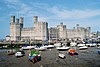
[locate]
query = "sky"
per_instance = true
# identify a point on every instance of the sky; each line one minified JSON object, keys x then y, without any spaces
{"x":86,"y":13}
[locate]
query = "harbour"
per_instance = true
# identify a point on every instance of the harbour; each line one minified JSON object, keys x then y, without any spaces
{"x":49,"y":58}
{"x":58,"y":33}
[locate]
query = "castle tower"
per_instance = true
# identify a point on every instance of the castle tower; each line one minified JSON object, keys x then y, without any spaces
{"x":12,"y":28}
{"x":62,"y":31}
{"x":77,"y":25}
{"x":17,"y":21}
{"x":21,"y":22}
{"x":35,"y":18}
{"x":88,"y":31}
{"x":17,"y":30}
{"x":35,"y":21}
{"x":12,"y":19}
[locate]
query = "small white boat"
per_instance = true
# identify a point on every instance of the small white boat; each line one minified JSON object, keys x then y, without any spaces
{"x":98,"y":44}
{"x":19,"y":53}
{"x":48,"y":46}
{"x":63,"y":48}
{"x":91,"y":45}
{"x":83,"y":47}
{"x":61,"y":55}
{"x":80,"y":45}
{"x":40,"y":48}
{"x":28,"y":47}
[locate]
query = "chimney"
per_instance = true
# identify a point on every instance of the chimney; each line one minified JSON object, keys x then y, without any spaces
{"x":35,"y":18}
{"x":12,"y":19}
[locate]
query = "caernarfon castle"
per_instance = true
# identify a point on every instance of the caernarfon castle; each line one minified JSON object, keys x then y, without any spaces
{"x":40,"y":31}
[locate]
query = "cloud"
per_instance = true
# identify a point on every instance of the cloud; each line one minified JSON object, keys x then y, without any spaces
{"x":74,"y":14}
{"x":12,"y":1}
{"x":50,"y":13}
{"x":11,"y":6}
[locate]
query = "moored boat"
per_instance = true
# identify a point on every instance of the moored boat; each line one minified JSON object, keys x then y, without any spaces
{"x":40,"y":48}
{"x":63,"y":48}
{"x":11,"y":51}
{"x":83,"y":47}
{"x":72,"y":52}
{"x":34,"y":56}
{"x":98,"y":51}
{"x":48,"y":46}
{"x":19,"y":53}
{"x":61,"y":55}
{"x":28,"y":47}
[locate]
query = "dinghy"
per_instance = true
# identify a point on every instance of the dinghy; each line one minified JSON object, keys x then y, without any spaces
{"x":98,"y":51}
{"x":83,"y":47}
{"x":11,"y":51}
{"x":34,"y":56}
{"x":19,"y":53}
{"x":61,"y":55}
{"x":72,"y":52}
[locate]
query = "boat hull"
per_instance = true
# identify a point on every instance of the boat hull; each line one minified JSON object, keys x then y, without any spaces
{"x":63,"y":48}
{"x":82,"y":48}
{"x":34,"y":58}
{"x":98,"y":51}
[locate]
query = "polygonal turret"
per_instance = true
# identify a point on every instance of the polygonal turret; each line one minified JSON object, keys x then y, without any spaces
{"x":21,"y":20}
{"x":35,"y":18}
{"x":17,"y":21}
{"x":12,"y":19}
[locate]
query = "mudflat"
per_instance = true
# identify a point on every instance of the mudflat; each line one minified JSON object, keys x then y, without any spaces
{"x":49,"y":58}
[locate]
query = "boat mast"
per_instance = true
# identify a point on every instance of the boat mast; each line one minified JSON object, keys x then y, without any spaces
{"x":49,"y":35}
